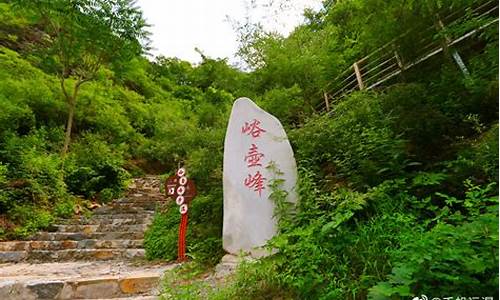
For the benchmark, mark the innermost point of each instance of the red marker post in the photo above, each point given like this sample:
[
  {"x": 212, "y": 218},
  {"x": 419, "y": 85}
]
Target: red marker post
[{"x": 183, "y": 190}]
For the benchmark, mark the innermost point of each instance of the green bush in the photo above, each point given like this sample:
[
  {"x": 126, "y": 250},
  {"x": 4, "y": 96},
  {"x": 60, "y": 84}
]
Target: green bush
[
  {"x": 64, "y": 208},
  {"x": 203, "y": 240},
  {"x": 15, "y": 117},
  {"x": 160, "y": 148},
  {"x": 34, "y": 172},
  {"x": 100, "y": 111},
  {"x": 354, "y": 146},
  {"x": 32, "y": 96},
  {"x": 383, "y": 210},
  {"x": 204, "y": 230},
  {"x": 339, "y": 243},
  {"x": 4, "y": 197},
  {"x": 447, "y": 260},
  {"x": 32, "y": 219},
  {"x": 160, "y": 240},
  {"x": 94, "y": 169},
  {"x": 286, "y": 104},
  {"x": 476, "y": 159},
  {"x": 201, "y": 150},
  {"x": 486, "y": 153},
  {"x": 418, "y": 118}
]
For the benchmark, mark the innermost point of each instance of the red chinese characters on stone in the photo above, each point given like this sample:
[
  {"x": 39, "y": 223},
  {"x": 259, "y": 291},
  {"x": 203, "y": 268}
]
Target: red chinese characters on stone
[
  {"x": 255, "y": 182},
  {"x": 252, "y": 128},
  {"x": 253, "y": 157}
]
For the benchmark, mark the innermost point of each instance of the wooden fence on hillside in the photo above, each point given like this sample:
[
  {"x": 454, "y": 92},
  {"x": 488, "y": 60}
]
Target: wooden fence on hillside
[{"x": 388, "y": 62}]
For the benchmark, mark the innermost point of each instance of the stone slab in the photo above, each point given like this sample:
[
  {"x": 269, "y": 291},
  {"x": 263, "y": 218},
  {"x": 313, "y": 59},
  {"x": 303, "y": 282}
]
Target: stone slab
[
  {"x": 77, "y": 236},
  {"x": 138, "y": 284},
  {"x": 79, "y": 280},
  {"x": 13, "y": 290},
  {"x": 133, "y": 298},
  {"x": 53, "y": 245},
  {"x": 14, "y": 246},
  {"x": 110, "y": 221},
  {"x": 87, "y": 229},
  {"x": 96, "y": 288},
  {"x": 77, "y": 270},
  {"x": 125, "y": 216},
  {"x": 229, "y": 263},
  {"x": 46, "y": 289},
  {"x": 254, "y": 140},
  {"x": 12, "y": 256},
  {"x": 84, "y": 254}
]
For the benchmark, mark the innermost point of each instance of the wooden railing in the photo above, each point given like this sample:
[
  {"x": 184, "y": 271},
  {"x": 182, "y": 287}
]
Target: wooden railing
[{"x": 387, "y": 62}]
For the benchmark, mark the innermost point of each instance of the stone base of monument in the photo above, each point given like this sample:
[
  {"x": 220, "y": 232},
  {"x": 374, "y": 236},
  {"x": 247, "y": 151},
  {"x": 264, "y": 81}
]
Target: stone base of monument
[
  {"x": 261, "y": 252},
  {"x": 229, "y": 262}
]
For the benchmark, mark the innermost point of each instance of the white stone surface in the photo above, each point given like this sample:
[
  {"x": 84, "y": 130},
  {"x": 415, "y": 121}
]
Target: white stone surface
[{"x": 248, "y": 214}]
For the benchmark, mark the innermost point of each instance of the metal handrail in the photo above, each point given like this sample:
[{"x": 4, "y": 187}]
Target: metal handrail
[{"x": 338, "y": 88}]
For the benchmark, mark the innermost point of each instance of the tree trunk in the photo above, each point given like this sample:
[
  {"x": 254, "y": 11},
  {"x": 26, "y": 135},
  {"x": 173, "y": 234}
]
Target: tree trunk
[
  {"x": 69, "y": 125},
  {"x": 72, "y": 105}
]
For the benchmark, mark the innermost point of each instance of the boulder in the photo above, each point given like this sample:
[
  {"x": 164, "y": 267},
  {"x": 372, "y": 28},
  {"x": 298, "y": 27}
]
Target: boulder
[{"x": 254, "y": 140}]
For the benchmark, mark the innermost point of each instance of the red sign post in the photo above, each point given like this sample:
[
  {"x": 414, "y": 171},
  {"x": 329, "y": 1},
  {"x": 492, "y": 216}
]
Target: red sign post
[{"x": 183, "y": 190}]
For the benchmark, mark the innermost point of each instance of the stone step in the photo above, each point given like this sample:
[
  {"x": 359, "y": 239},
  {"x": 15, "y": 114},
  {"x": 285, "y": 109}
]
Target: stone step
[
  {"x": 12, "y": 256},
  {"x": 101, "y": 228},
  {"x": 141, "y": 198},
  {"x": 139, "y": 286},
  {"x": 132, "y": 298},
  {"x": 68, "y": 244},
  {"x": 128, "y": 204},
  {"x": 144, "y": 215},
  {"x": 151, "y": 206},
  {"x": 154, "y": 199},
  {"x": 104, "y": 221},
  {"x": 78, "y": 236},
  {"x": 80, "y": 280},
  {"x": 70, "y": 255},
  {"x": 145, "y": 187},
  {"x": 84, "y": 254},
  {"x": 106, "y": 210},
  {"x": 144, "y": 192},
  {"x": 141, "y": 202}
]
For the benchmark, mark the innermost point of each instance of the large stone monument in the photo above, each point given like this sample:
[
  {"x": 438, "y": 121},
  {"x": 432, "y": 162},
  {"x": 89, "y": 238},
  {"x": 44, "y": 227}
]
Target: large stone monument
[{"x": 254, "y": 140}]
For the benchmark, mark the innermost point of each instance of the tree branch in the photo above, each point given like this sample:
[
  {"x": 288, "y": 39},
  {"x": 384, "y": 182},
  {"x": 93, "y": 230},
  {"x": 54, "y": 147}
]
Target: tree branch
[{"x": 63, "y": 87}]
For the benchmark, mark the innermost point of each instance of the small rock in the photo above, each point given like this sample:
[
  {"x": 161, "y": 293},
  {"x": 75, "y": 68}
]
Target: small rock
[
  {"x": 230, "y": 258},
  {"x": 98, "y": 288},
  {"x": 12, "y": 290},
  {"x": 46, "y": 290},
  {"x": 12, "y": 256},
  {"x": 225, "y": 269},
  {"x": 137, "y": 285}
]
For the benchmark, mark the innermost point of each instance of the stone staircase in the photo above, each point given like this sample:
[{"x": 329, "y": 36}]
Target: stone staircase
[{"x": 88, "y": 258}]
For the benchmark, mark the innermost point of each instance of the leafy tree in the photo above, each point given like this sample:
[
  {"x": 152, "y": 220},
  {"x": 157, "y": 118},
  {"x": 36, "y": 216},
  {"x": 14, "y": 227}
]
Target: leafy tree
[{"x": 82, "y": 37}]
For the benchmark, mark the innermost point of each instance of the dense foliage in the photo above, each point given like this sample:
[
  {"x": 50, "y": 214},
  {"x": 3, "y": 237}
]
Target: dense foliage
[
  {"x": 132, "y": 117},
  {"x": 398, "y": 186}
]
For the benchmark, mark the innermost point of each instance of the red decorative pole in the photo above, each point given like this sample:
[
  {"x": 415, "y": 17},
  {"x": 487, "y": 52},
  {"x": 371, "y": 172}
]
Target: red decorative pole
[
  {"x": 181, "y": 252},
  {"x": 183, "y": 190}
]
